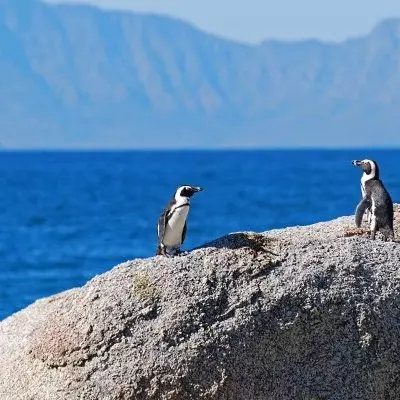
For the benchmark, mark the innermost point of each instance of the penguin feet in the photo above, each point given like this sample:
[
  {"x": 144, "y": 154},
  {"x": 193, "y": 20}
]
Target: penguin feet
[
  {"x": 181, "y": 253},
  {"x": 164, "y": 251},
  {"x": 174, "y": 252},
  {"x": 388, "y": 237}
]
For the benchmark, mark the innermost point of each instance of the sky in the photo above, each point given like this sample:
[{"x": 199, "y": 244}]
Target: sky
[{"x": 256, "y": 20}]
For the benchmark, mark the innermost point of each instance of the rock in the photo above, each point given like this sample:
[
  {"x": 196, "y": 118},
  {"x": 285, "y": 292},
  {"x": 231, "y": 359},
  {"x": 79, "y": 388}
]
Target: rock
[{"x": 308, "y": 313}]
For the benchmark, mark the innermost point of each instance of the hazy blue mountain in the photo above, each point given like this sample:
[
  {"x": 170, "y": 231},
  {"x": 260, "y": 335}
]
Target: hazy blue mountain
[{"x": 75, "y": 76}]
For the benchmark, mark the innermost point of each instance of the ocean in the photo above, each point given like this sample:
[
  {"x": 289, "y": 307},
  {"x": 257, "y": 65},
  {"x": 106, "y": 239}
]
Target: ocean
[{"x": 67, "y": 216}]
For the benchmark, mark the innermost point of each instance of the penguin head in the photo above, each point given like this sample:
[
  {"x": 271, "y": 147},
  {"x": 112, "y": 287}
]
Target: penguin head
[
  {"x": 370, "y": 167},
  {"x": 186, "y": 191}
]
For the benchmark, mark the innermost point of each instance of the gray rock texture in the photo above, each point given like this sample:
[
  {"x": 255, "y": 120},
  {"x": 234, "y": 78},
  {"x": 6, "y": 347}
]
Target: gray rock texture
[{"x": 308, "y": 313}]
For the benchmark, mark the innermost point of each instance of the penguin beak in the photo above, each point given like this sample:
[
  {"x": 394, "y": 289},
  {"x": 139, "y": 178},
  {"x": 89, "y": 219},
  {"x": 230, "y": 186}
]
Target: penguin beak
[
  {"x": 356, "y": 162},
  {"x": 197, "y": 189}
]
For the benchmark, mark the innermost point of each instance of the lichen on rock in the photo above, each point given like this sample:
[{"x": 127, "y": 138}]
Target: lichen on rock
[{"x": 143, "y": 288}]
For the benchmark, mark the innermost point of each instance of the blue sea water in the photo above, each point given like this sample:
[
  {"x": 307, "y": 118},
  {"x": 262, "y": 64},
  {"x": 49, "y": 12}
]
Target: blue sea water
[{"x": 67, "y": 216}]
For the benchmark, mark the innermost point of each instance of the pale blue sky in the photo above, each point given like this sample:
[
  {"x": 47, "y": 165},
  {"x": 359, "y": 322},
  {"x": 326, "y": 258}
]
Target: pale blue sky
[{"x": 255, "y": 20}]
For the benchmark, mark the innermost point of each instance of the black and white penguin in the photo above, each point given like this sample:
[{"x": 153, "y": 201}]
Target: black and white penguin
[
  {"x": 364, "y": 177},
  {"x": 171, "y": 227},
  {"x": 376, "y": 199}
]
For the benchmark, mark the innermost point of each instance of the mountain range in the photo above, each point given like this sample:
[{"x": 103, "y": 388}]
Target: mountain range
[{"x": 74, "y": 76}]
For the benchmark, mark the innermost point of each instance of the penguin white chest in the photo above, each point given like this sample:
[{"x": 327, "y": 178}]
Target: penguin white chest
[
  {"x": 174, "y": 228},
  {"x": 364, "y": 179}
]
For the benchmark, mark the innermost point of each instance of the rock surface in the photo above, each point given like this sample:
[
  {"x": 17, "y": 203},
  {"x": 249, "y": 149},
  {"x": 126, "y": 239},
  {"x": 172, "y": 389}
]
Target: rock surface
[
  {"x": 308, "y": 313},
  {"x": 134, "y": 80}
]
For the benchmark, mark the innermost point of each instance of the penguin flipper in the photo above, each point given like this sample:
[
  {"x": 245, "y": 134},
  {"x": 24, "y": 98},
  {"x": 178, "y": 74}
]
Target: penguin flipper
[
  {"x": 162, "y": 223},
  {"x": 184, "y": 232},
  {"x": 362, "y": 206}
]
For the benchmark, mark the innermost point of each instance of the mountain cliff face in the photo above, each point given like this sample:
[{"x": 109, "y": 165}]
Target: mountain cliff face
[{"x": 78, "y": 76}]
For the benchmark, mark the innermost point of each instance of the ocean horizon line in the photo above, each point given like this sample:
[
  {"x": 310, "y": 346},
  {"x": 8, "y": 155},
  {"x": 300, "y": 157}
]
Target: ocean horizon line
[{"x": 192, "y": 149}]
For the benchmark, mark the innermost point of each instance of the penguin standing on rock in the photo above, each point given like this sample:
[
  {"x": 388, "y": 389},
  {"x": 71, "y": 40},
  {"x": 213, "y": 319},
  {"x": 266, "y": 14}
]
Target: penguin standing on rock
[
  {"x": 171, "y": 227},
  {"x": 376, "y": 199}
]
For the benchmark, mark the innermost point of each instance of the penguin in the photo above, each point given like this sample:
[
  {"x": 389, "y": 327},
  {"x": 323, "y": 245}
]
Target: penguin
[
  {"x": 376, "y": 199},
  {"x": 364, "y": 177},
  {"x": 171, "y": 227},
  {"x": 362, "y": 184}
]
